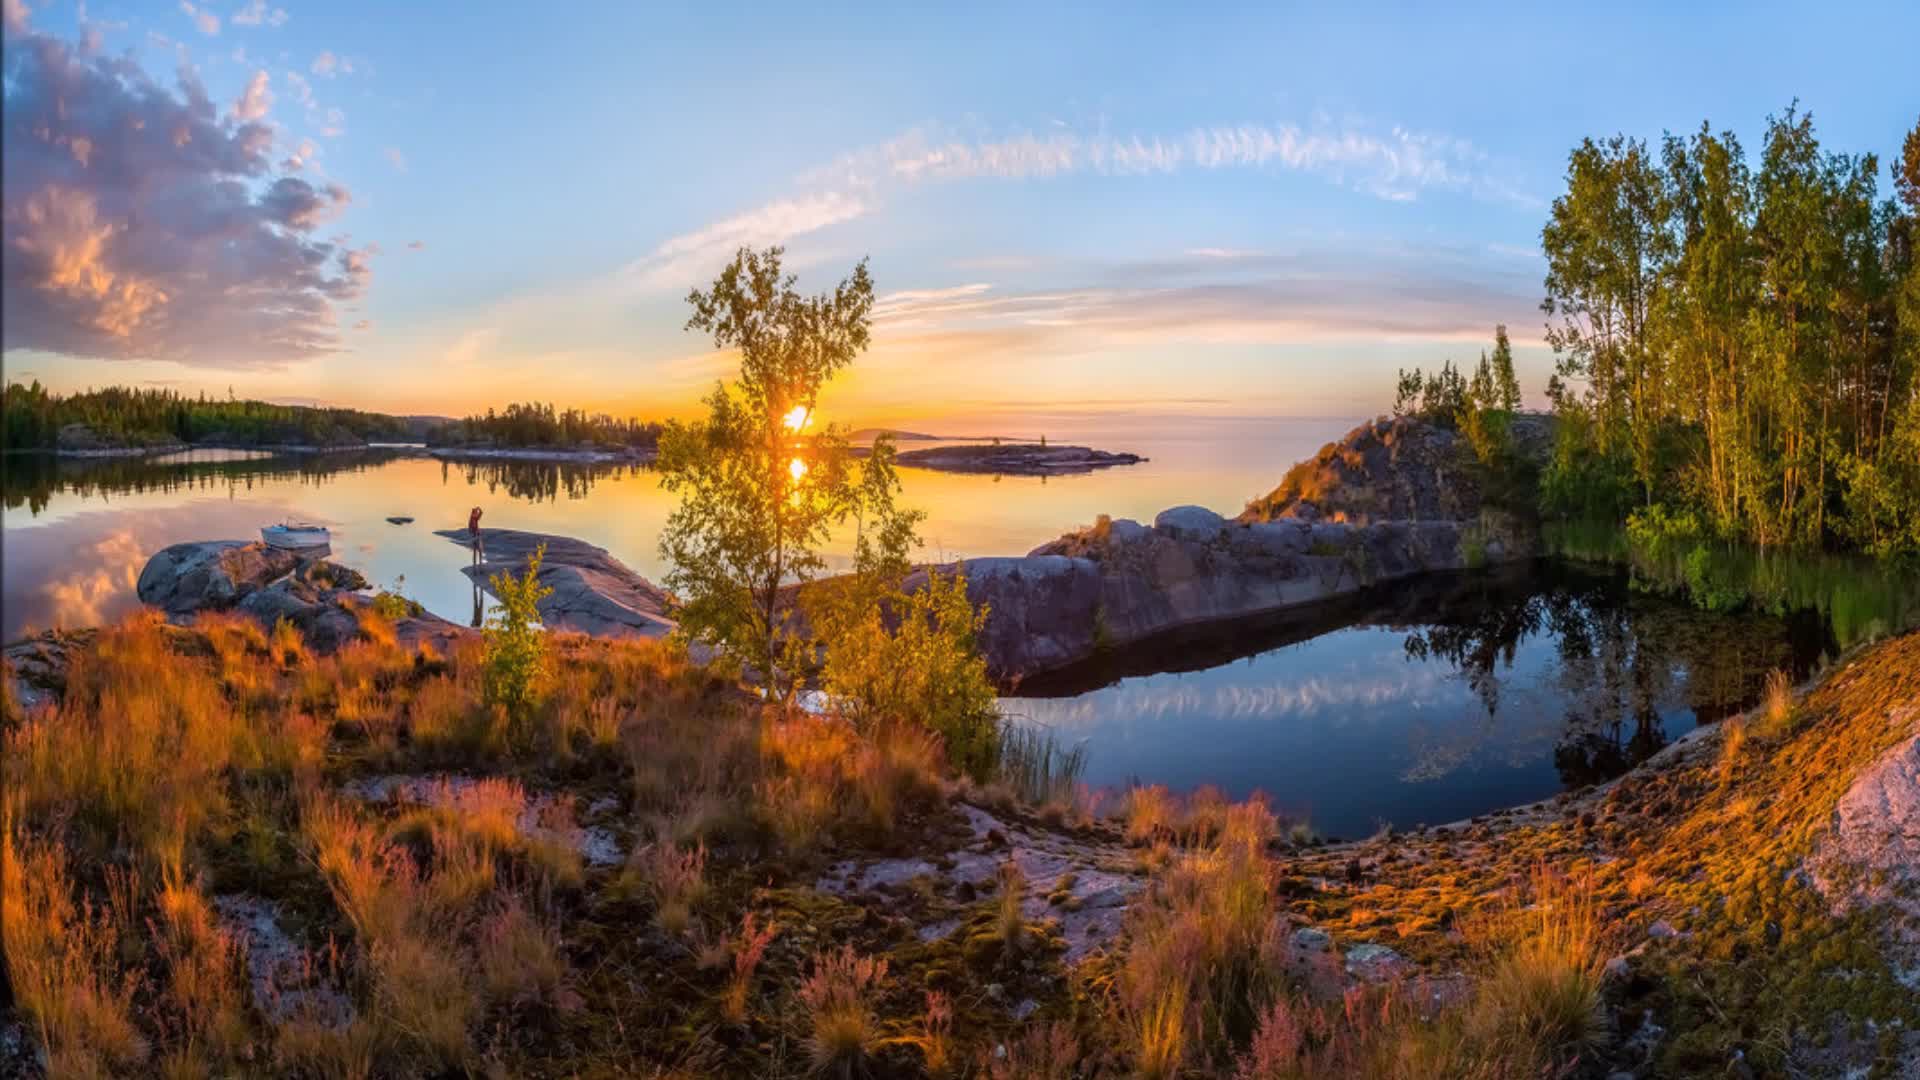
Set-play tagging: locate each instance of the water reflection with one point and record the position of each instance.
(1435, 701)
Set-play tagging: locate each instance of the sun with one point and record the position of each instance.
(796, 420)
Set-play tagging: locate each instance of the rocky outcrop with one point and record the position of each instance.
(319, 597)
(1016, 459)
(1394, 469)
(593, 592)
(1869, 855)
(211, 574)
(1121, 583)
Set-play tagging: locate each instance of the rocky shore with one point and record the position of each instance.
(592, 592)
(319, 597)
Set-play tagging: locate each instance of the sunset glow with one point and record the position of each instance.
(1090, 239)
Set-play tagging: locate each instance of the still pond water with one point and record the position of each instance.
(1418, 705)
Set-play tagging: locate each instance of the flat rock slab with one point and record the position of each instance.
(1089, 910)
(593, 592)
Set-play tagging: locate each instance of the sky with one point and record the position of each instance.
(1069, 210)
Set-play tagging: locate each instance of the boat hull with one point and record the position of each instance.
(294, 539)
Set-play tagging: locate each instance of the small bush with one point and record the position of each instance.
(516, 658)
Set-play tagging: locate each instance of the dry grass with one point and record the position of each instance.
(749, 947)
(63, 952)
(837, 996)
(674, 877)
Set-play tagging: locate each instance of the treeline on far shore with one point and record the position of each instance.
(118, 417)
(34, 418)
(538, 424)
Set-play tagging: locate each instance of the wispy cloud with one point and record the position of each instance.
(203, 20)
(683, 259)
(255, 13)
(1396, 164)
(398, 159)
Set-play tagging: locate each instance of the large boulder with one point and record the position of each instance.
(210, 574)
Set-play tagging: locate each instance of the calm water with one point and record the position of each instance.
(1425, 704)
(78, 532)
(1432, 703)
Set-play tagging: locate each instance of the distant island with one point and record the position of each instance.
(1016, 459)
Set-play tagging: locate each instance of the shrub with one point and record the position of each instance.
(927, 669)
(515, 657)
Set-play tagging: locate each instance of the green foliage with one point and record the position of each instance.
(1439, 398)
(539, 424)
(1743, 341)
(925, 669)
(757, 498)
(515, 655)
(392, 604)
(31, 418)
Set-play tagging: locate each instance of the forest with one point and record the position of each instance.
(538, 424)
(1737, 341)
(122, 416)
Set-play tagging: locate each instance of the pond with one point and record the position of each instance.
(1429, 702)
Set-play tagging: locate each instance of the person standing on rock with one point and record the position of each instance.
(473, 535)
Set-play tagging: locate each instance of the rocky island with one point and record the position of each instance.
(1016, 459)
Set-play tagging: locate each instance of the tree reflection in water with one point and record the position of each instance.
(31, 480)
(1623, 657)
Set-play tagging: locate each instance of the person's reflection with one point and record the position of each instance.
(479, 609)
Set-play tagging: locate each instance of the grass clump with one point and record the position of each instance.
(843, 1032)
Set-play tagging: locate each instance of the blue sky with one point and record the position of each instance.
(1247, 212)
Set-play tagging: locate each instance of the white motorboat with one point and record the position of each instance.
(295, 536)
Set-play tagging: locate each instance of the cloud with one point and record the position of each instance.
(334, 125)
(363, 324)
(13, 16)
(204, 21)
(681, 261)
(417, 245)
(256, 14)
(301, 157)
(302, 89)
(1253, 299)
(253, 102)
(327, 65)
(398, 159)
(140, 223)
(1396, 164)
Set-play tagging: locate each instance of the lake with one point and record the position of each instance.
(1424, 703)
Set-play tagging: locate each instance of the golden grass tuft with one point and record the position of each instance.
(838, 998)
